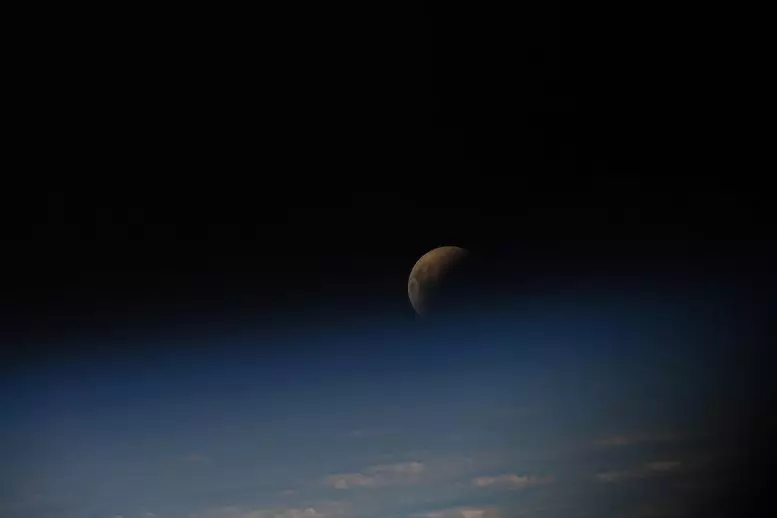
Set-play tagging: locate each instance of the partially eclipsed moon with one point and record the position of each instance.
(432, 274)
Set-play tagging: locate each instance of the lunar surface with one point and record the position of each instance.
(438, 278)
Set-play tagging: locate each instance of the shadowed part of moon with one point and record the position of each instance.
(436, 278)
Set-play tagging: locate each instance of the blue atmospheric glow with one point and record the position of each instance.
(566, 403)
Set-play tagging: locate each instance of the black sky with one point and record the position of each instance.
(302, 162)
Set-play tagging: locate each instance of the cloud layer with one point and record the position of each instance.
(325, 510)
(650, 468)
(378, 476)
(511, 481)
(462, 512)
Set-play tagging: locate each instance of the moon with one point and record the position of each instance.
(435, 278)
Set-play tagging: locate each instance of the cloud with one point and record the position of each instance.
(378, 476)
(512, 481)
(401, 467)
(462, 512)
(325, 510)
(349, 480)
(458, 469)
(650, 468)
(236, 512)
(615, 441)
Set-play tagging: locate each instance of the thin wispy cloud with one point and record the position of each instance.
(512, 481)
(432, 470)
(462, 512)
(324, 510)
(614, 441)
(351, 480)
(650, 468)
(401, 468)
(378, 476)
